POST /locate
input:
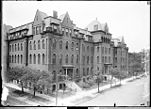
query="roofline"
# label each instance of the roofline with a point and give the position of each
(20, 26)
(52, 17)
(100, 31)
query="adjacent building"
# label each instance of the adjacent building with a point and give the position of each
(55, 44)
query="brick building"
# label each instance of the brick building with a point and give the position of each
(56, 45)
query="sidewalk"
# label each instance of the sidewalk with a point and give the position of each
(71, 100)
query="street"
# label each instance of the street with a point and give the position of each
(132, 93)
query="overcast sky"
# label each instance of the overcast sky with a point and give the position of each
(128, 19)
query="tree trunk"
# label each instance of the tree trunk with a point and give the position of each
(98, 85)
(22, 86)
(111, 82)
(34, 91)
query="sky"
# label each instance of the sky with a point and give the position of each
(128, 19)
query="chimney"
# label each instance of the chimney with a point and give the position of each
(55, 14)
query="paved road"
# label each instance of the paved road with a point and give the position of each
(131, 94)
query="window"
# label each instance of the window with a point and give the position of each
(67, 45)
(54, 59)
(87, 71)
(109, 50)
(105, 59)
(54, 43)
(83, 48)
(72, 46)
(60, 45)
(109, 59)
(67, 31)
(21, 48)
(77, 61)
(87, 59)
(95, 27)
(12, 59)
(87, 48)
(91, 59)
(60, 59)
(18, 46)
(77, 46)
(12, 47)
(97, 49)
(38, 58)
(43, 44)
(83, 60)
(34, 45)
(77, 72)
(15, 47)
(30, 45)
(102, 59)
(43, 59)
(33, 30)
(97, 59)
(18, 59)
(30, 59)
(34, 59)
(38, 44)
(54, 75)
(63, 31)
(37, 30)
(72, 59)
(21, 59)
(105, 50)
(15, 58)
(84, 72)
(66, 59)
(102, 50)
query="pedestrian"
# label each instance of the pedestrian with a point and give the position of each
(114, 104)
(5, 93)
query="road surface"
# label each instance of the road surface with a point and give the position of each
(132, 93)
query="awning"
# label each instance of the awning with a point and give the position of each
(67, 66)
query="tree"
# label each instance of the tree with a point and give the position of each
(115, 73)
(32, 76)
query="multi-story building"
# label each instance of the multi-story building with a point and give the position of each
(59, 47)
(120, 55)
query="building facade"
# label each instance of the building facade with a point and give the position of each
(56, 45)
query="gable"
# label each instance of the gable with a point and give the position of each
(66, 21)
(39, 17)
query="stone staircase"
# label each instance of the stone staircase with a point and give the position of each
(73, 85)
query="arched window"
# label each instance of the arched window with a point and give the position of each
(87, 59)
(34, 59)
(87, 48)
(67, 45)
(15, 47)
(21, 47)
(30, 59)
(97, 49)
(34, 45)
(43, 44)
(83, 47)
(72, 46)
(12, 59)
(60, 45)
(43, 58)
(77, 72)
(84, 72)
(38, 44)
(54, 59)
(72, 59)
(54, 43)
(60, 61)
(38, 58)
(66, 59)
(12, 47)
(97, 59)
(21, 59)
(18, 46)
(54, 75)
(18, 58)
(77, 61)
(30, 45)
(91, 59)
(87, 71)
(15, 58)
